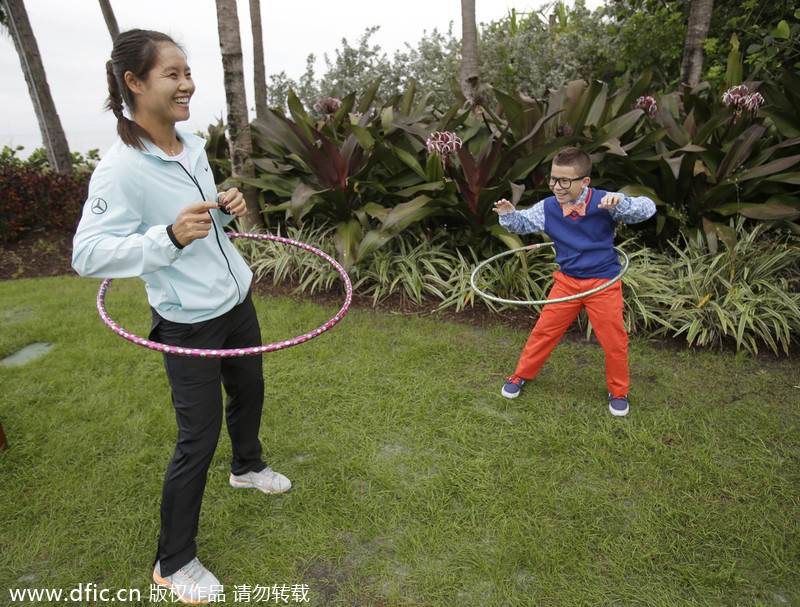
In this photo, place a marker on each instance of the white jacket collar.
(195, 146)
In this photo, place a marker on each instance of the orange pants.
(605, 313)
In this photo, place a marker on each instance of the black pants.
(197, 398)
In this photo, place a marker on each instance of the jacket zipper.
(216, 231)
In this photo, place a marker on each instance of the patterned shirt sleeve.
(633, 210)
(524, 222)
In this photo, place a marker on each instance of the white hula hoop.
(541, 302)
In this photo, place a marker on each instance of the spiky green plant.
(280, 262)
(748, 293)
(646, 290)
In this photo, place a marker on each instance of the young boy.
(580, 221)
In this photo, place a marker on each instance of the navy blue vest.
(584, 245)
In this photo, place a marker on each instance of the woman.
(153, 211)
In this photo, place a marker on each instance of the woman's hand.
(233, 202)
(193, 222)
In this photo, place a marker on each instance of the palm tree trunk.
(259, 71)
(111, 20)
(469, 50)
(239, 139)
(696, 32)
(53, 137)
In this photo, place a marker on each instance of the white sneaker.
(267, 480)
(192, 583)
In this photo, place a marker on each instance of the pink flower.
(647, 104)
(442, 143)
(741, 98)
(734, 95)
(327, 105)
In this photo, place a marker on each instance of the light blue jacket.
(133, 196)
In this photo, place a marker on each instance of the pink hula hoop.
(228, 353)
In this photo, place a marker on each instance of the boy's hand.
(503, 206)
(609, 201)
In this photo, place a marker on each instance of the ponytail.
(130, 132)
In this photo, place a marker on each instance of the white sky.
(75, 44)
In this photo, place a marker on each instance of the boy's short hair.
(576, 158)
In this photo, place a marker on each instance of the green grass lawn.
(414, 481)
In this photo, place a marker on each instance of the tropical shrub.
(33, 200)
(747, 294)
(38, 161)
(350, 167)
(703, 158)
(369, 167)
(373, 168)
(275, 261)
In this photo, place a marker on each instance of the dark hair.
(576, 158)
(134, 51)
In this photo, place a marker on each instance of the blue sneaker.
(618, 406)
(513, 386)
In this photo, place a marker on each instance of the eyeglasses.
(564, 182)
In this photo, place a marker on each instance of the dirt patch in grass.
(37, 254)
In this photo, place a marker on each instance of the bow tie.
(575, 207)
(578, 207)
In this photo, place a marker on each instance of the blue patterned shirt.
(630, 210)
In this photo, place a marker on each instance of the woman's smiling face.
(164, 96)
